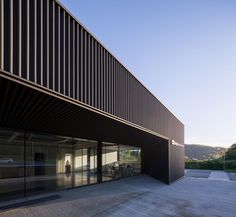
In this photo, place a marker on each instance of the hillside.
(202, 152)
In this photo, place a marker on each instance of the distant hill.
(231, 152)
(203, 152)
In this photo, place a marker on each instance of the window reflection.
(33, 163)
(11, 164)
(120, 161)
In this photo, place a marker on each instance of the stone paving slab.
(139, 196)
(197, 173)
(232, 176)
(219, 175)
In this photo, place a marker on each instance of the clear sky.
(183, 51)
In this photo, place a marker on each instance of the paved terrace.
(139, 196)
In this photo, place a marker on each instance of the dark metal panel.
(176, 159)
(155, 160)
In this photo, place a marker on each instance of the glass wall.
(11, 165)
(49, 163)
(129, 160)
(33, 163)
(120, 161)
(85, 162)
(110, 161)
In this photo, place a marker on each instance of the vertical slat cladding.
(62, 51)
(125, 93)
(32, 41)
(85, 66)
(45, 49)
(38, 42)
(101, 77)
(92, 71)
(66, 31)
(78, 60)
(7, 35)
(47, 42)
(121, 90)
(41, 41)
(16, 33)
(88, 70)
(95, 74)
(118, 90)
(24, 36)
(98, 76)
(111, 86)
(2, 34)
(57, 49)
(35, 41)
(75, 60)
(52, 44)
(71, 59)
(61, 48)
(11, 35)
(59, 45)
(108, 83)
(105, 80)
(114, 86)
(81, 64)
(68, 55)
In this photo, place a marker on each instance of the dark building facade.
(70, 113)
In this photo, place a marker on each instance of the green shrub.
(205, 164)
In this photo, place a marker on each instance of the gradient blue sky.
(183, 51)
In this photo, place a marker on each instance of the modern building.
(71, 114)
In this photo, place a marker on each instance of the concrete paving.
(139, 196)
(219, 175)
(197, 173)
(232, 176)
